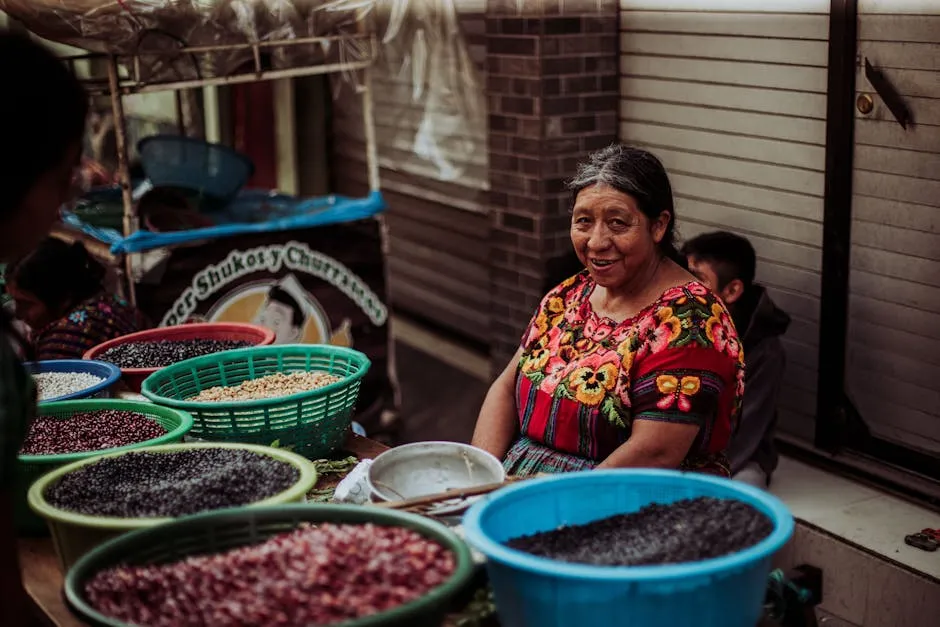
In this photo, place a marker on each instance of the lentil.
(690, 530)
(163, 353)
(145, 485)
(314, 575)
(89, 431)
(271, 386)
(56, 384)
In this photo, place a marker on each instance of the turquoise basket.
(535, 591)
(312, 423)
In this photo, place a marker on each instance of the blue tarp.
(251, 212)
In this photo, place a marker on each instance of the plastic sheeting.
(285, 214)
(432, 102)
(154, 29)
(420, 40)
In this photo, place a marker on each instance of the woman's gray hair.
(640, 175)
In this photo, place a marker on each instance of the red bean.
(88, 431)
(315, 575)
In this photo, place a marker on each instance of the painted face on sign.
(280, 318)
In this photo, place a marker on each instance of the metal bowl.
(425, 468)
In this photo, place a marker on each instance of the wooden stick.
(457, 493)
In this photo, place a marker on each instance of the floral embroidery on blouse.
(583, 379)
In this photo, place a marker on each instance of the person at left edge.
(43, 111)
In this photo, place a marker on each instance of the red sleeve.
(688, 366)
(692, 384)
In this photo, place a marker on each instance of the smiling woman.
(631, 362)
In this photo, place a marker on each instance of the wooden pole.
(124, 173)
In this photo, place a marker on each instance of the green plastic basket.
(223, 530)
(75, 534)
(312, 423)
(30, 467)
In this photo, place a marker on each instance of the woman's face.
(29, 223)
(612, 237)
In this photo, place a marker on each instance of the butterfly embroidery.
(676, 391)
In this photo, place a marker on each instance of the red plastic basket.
(134, 377)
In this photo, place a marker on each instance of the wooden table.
(43, 577)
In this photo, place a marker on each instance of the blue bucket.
(534, 591)
(109, 372)
(187, 163)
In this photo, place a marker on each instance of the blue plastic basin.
(108, 372)
(533, 591)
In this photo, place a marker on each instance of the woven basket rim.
(302, 350)
(39, 504)
(82, 405)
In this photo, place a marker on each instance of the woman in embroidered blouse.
(632, 362)
(58, 291)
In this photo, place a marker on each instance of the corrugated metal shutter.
(894, 329)
(732, 98)
(438, 230)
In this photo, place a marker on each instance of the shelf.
(358, 51)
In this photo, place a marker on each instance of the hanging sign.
(317, 285)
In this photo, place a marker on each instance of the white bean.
(55, 384)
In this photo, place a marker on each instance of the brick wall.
(553, 90)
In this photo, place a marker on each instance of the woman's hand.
(653, 444)
(497, 423)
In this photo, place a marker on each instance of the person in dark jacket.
(726, 264)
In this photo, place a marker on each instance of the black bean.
(684, 531)
(163, 353)
(318, 575)
(88, 431)
(144, 484)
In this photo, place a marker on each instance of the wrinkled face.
(280, 318)
(29, 308)
(29, 223)
(612, 237)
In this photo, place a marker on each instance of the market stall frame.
(361, 48)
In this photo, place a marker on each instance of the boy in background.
(726, 264)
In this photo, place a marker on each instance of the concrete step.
(861, 588)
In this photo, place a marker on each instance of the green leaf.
(563, 391)
(610, 409)
(276, 443)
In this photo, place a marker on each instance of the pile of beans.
(271, 386)
(685, 531)
(311, 576)
(163, 353)
(147, 485)
(89, 431)
(55, 384)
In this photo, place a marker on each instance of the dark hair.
(640, 175)
(59, 274)
(279, 295)
(731, 256)
(43, 115)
